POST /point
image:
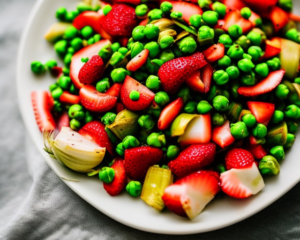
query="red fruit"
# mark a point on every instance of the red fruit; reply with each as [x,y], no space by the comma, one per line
[56,71]
[278,17]
[257,150]
[42,104]
[189,195]
[263,112]
[63,121]
[294,17]
[92,70]
[222,136]
[94,101]
[169,113]
[134,2]
[220,24]
[260,5]
[146,96]
[194,82]
[123,41]
[254,17]
[138,61]
[214,53]
[273,47]
[114,90]
[76,63]
[234,17]
[264,86]
[193,159]
[95,131]
[120,179]
[69,98]
[120,21]
[234,4]
[174,72]
[206,76]
[238,158]
[119,107]
[139,159]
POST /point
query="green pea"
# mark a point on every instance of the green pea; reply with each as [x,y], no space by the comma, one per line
[220,8]
[205,35]
[97,37]
[226,40]
[146,122]
[151,31]
[224,62]
[106,9]
[255,52]
[88,117]
[123,50]
[190,107]
[75,124]
[108,118]
[235,31]
[64,82]
[234,89]
[76,43]
[166,41]
[140,76]
[118,75]
[141,10]
[87,32]
[37,67]
[61,13]
[166,7]
[212,93]
[134,95]
[248,79]
[247,56]
[277,117]
[136,48]
[246,12]
[220,103]
[233,72]
[218,119]
[166,55]
[155,14]
[278,153]
[262,69]
[60,47]
[76,111]
[274,64]
[71,50]
[115,46]
[235,52]
[50,64]
[282,91]
[244,42]
[187,45]
[255,38]
[260,131]
[153,48]
[220,77]
[245,65]
[116,58]
[82,7]
[134,188]
[52,87]
[293,35]
[70,33]
[107,174]
[195,20]
[239,130]
[249,120]
[297,80]
[56,93]
[176,15]
[153,82]
[286,5]
[210,17]
[204,4]
[103,85]
[161,98]
[292,126]
[204,107]
[57,106]
[91,41]
[106,52]
[120,150]
[66,71]
[130,142]
[185,94]
[156,140]
[138,33]
[68,59]
[173,152]
[292,111]
[70,16]
[269,166]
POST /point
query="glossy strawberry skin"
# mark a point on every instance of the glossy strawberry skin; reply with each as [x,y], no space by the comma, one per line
[262,111]
[215,52]
[139,159]
[92,70]
[114,90]
[234,17]
[238,158]
[138,61]
[69,98]
[221,135]
[174,72]
[120,179]
[193,159]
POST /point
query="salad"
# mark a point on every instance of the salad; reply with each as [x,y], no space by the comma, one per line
[176,102]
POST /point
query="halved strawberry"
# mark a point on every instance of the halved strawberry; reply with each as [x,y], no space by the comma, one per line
[76,63]
[114,90]
[260,5]
[139,159]
[214,53]
[42,104]
[273,47]
[238,158]
[278,17]
[95,101]
[92,70]
[242,183]
[95,131]
[262,111]
[69,98]
[234,17]
[257,150]
[221,135]
[169,113]
[206,76]
[264,86]
[193,159]
[56,71]
[189,196]
[138,61]
[120,179]
[146,96]
[63,121]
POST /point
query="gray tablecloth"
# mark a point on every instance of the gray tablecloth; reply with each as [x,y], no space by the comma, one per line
[36,204]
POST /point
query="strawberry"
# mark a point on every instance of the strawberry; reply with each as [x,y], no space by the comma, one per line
[174,72]
[260,5]
[221,135]
[56,71]
[134,2]
[238,158]
[138,61]
[169,113]
[193,159]
[139,159]
[194,82]
[42,104]
[114,90]
[144,22]
[69,98]
[120,21]
[63,121]
[76,63]
[95,131]
[262,111]
[234,17]
[278,17]
[188,196]
[120,179]
[95,101]
[234,4]
[215,52]
[242,183]
[123,41]
[273,47]
[146,96]
[119,107]
[264,86]
[257,150]
[92,70]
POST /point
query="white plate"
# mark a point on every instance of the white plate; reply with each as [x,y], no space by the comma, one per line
[129,211]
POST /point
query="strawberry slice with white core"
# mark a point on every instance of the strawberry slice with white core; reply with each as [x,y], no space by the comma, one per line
[189,195]
[242,183]
[222,136]
[87,52]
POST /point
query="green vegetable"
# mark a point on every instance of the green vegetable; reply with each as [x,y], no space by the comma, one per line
[255,38]
[184,93]
[134,95]
[269,166]
[166,7]
[130,142]
[220,77]
[75,124]
[106,9]
[292,111]
[278,153]
[118,75]
[289,140]
[246,12]
[108,118]
[248,79]
[103,85]
[56,93]
[52,87]
[239,130]
[68,59]
[57,106]
[106,52]
[293,35]
[195,20]
[151,31]
[249,120]
[138,33]
[233,72]
[286,5]
[88,117]
[210,17]
[274,64]
[176,15]
[218,119]
[255,52]
[220,103]
[116,58]
[262,69]
[60,47]
[61,13]
[173,152]
[260,131]
[141,10]
[204,4]
[166,41]
[203,107]
[277,135]
[107,174]
[153,82]
[64,82]
[235,52]
[76,111]
[115,46]
[156,140]
[82,7]
[292,126]
[225,40]
[187,45]
[190,107]
[161,98]
[155,14]
[220,8]
[76,43]
[134,188]
[146,122]
[70,33]
[120,150]
[235,31]
[244,42]
[87,32]
[123,50]
[167,55]
[224,62]
[153,48]
[37,67]
[205,35]
[245,65]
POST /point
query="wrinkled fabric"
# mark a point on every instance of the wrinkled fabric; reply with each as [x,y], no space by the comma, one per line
[35,204]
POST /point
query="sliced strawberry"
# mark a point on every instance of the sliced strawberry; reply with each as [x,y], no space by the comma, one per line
[120,179]
[144,22]
[193,159]
[95,131]
[221,135]
[238,158]
[264,86]
[114,90]
[146,96]
[257,150]
[189,195]
[254,18]
[123,41]
[294,17]
[169,113]
[234,4]
[194,82]
[215,52]
[94,101]
[242,183]
[262,111]
[92,70]
[234,17]
[63,121]
[138,61]
[56,71]
[206,76]
[260,5]
[69,98]
[198,131]
[119,107]
[42,104]
[273,47]
[139,159]
[76,63]
[278,17]
[173,73]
